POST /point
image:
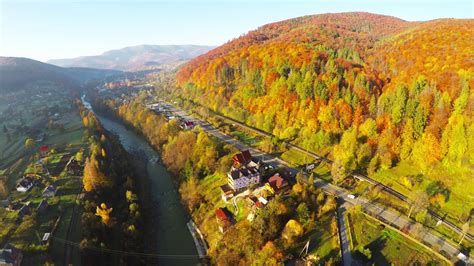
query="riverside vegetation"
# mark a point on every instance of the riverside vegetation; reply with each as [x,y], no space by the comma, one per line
[112,216]
[200,163]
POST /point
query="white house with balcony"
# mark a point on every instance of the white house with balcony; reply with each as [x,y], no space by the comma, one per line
[242,178]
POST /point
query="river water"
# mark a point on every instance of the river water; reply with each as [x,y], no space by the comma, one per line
[171,231]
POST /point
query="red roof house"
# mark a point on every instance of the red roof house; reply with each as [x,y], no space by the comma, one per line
[43,149]
[224,219]
[277,183]
[242,158]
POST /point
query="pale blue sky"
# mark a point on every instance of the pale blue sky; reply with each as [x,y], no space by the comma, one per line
[47,29]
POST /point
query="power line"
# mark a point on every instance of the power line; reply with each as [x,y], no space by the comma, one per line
[127,253]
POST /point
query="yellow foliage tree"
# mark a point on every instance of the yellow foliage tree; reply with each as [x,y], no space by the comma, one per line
[85,121]
[297,188]
[29,143]
[292,231]
[93,178]
[438,199]
[104,213]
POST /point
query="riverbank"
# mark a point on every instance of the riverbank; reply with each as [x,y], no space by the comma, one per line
[169,240]
[148,212]
[199,240]
[201,161]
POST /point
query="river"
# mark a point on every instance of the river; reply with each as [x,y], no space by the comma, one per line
[171,232]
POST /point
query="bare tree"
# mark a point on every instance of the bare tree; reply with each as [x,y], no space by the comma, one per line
[418,200]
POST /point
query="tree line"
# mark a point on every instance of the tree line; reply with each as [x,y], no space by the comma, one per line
[112,216]
[194,157]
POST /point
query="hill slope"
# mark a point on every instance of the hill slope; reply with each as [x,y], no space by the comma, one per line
[377,93]
[17,73]
[142,57]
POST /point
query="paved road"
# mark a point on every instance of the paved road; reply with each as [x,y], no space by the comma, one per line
[359,176]
[377,211]
[345,244]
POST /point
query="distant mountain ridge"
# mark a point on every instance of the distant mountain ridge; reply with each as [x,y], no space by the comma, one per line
[133,58]
[17,73]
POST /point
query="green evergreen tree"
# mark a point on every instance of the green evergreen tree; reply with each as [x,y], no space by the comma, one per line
[419,121]
[398,105]
[407,140]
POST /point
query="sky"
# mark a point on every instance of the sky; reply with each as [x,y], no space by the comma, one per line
[51,29]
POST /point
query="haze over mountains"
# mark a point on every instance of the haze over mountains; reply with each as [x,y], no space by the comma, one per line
[135,58]
[18,73]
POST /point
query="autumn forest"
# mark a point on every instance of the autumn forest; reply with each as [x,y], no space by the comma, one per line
[373,92]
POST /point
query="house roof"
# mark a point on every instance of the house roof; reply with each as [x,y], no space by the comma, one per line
[72,162]
[242,158]
[43,204]
[238,173]
[235,174]
[24,208]
[49,188]
[247,156]
[222,214]
[226,189]
[276,181]
[9,254]
[25,182]
[44,148]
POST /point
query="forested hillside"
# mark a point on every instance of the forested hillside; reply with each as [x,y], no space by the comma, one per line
[373,92]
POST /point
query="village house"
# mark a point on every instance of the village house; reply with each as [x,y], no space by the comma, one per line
[244,171]
[227,192]
[25,209]
[10,256]
[25,184]
[43,150]
[49,191]
[73,167]
[240,179]
[242,159]
[46,238]
[154,106]
[187,125]
[254,201]
[14,206]
[263,200]
[276,183]
[224,219]
[42,206]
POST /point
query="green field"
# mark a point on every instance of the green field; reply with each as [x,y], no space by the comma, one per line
[244,137]
[386,245]
[63,134]
[456,180]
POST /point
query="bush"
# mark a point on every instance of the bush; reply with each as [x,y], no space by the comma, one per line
[365,252]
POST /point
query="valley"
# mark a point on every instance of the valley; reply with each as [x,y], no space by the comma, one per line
[327,139]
